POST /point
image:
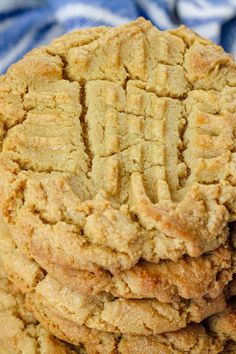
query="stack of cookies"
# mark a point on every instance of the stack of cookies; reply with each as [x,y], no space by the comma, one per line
[118,195]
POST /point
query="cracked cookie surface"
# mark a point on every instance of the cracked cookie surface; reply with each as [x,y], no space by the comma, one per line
[19,330]
[224,324]
[167,281]
[104,312]
[21,333]
[103,135]
[116,171]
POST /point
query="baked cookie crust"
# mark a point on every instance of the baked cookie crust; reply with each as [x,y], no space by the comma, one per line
[102,135]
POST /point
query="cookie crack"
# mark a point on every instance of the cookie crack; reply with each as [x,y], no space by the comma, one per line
[84,125]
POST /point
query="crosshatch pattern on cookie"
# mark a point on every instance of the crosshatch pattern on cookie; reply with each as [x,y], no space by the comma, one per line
[102,129]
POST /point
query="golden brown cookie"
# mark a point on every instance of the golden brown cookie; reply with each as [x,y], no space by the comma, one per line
[167,281]
[118,166]
[106,142]
[193,339]
[103,312]
[21,333]
[19,330]
[224,324]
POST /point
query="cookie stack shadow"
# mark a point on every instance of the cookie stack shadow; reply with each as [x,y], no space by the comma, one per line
[117,195]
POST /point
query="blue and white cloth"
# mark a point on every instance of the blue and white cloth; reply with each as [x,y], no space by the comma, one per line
[25,24]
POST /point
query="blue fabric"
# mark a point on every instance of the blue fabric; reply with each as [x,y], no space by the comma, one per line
[25,24]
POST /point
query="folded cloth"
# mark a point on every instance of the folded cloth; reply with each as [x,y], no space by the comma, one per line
[25,24]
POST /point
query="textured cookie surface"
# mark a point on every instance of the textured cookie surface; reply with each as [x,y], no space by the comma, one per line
[193,339]
[167,281]
[21,333]
[142,316]
[19,330]
[104,312]
[106,142]
[224,323]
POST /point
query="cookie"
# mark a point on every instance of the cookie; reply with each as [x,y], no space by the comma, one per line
[106,142]
[224,324]
[167,281]
[192,339]
[117,171]
[19,330]
[143,316]
[104,312]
